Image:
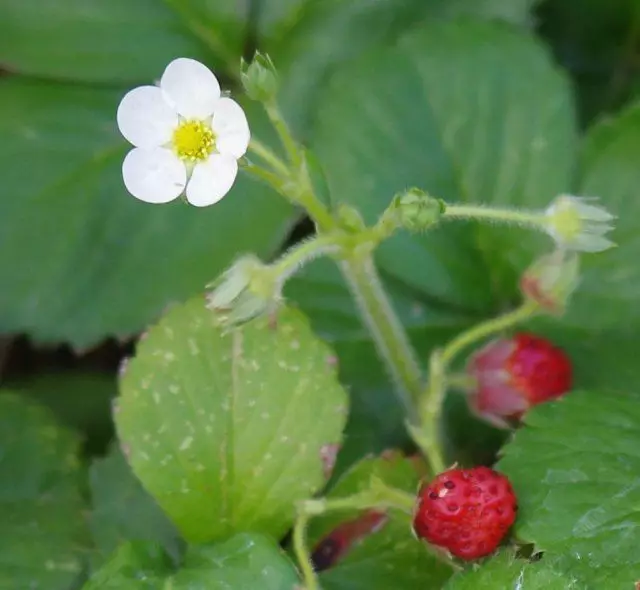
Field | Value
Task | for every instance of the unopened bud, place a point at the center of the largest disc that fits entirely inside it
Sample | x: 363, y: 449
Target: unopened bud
x: 551, y: 280
x: 259, y: 78
x: 415, y: 210
x: 350, y: 219
x: 247, y: 290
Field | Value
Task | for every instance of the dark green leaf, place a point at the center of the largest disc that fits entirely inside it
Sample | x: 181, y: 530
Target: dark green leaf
x: 575, y: 468
x: 122, y: 510
x: 41, y: 507
x: 504, y: 571
x: 244, y: 561
x: 406, y: 116
x: 80, y: 258
x: 119, y: 41
x: 228, y: 430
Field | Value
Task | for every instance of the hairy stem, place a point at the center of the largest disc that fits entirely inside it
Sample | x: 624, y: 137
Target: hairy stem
x: 433, y: 398
x: 388, y: 334
x: 527, y: 218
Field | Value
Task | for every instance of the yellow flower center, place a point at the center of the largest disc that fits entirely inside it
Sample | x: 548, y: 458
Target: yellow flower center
x: 568, y: 223
x: 193, y: 140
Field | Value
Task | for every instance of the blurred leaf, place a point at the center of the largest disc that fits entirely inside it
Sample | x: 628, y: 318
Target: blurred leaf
x: 80, y: 401
x: 388, y: 556
x: 80, y: 258
x: 322, y: 35
x: 412, y: 119
x: 122, y: 510
x: 244, y: 561
x: 504, y: 571
x: 119, y: 41
x: 227, y: 430
x: 575, y: 468
x: 608, y: 292
x: 41, y: 506
x: 597, y: 42
x: 133, y: 566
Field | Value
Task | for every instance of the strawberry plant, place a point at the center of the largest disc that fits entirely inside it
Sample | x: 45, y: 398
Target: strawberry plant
x: 319, y: 294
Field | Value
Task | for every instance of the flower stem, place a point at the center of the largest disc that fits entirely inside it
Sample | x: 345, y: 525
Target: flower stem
x: 526, y: 218
x: 389, y: 336
x: 433, y: 398
x: 305, y: 251
x: 302, y: 553
x: 267, y: 154
x: 281, y: 127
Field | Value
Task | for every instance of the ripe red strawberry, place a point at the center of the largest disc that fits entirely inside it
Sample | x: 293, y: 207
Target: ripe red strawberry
x: 513, y: 374
x: 467, y: 511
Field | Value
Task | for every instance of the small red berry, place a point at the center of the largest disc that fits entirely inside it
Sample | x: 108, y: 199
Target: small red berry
x: 513, y: 374
x: 467, y: 511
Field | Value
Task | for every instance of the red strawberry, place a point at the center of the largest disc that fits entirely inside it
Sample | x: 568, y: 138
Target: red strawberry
x: 467, y: 511
x: 513, y: 374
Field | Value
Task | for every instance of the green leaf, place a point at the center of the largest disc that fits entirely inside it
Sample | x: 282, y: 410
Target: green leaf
x: 122, y: 510
x: 119, y: 41
x: 80, y: 401
x: 41, y: 506
x: 412, y: 119
x: 607, y: 293
x: 227, y: 430
x: 139, y: 565
x: 311, y: 40
x: 575, y: 468
x: 505, y: 571
x: 388, y: 556
x: 81, y: 259
x: 244, y: 561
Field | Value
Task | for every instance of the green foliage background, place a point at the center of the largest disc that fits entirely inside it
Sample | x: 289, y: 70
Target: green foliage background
x: 507, y: 102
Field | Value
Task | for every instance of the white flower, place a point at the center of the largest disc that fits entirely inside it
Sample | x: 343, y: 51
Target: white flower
x: 576, y: 225
x: 186, y: 136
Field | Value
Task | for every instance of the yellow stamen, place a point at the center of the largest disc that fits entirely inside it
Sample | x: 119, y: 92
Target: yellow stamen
x: 193, y: 140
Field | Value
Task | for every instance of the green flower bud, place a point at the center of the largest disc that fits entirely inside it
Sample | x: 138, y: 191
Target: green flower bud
x: 350, y: 219
x: 259, y: 78
x: 415, y: 210
x: 551, y: 280
x: 247, y: 290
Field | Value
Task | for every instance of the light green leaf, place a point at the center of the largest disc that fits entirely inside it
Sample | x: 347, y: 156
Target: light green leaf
x: 122, y: 510
x: 503, y: 572
x: 244, y: 561
x: 468, y: 111
x: 41, y: 505
x: 119, y: 41
x: 81, y: 259
x: 388, y: 556
x: 227, y: 430
x: 575, y: 469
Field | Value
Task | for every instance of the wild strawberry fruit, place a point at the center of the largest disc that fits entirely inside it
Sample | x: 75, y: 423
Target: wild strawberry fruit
x: 467, y: 511
x: 513, y: 374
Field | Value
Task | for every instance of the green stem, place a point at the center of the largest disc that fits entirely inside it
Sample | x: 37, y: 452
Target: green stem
x: 431, y: 408
x: 267, y: 154
x: 302, y: 554
x: 305, y: 251
x: 389, y: 336
x: 527, y: 218
x: 280, y: 125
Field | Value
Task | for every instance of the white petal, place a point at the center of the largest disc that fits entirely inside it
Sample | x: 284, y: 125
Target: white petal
x: 211, y: 180
x: 191, y: 87
x: 155, y: 175
x: 231, y: 128
x: 145, y: 118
